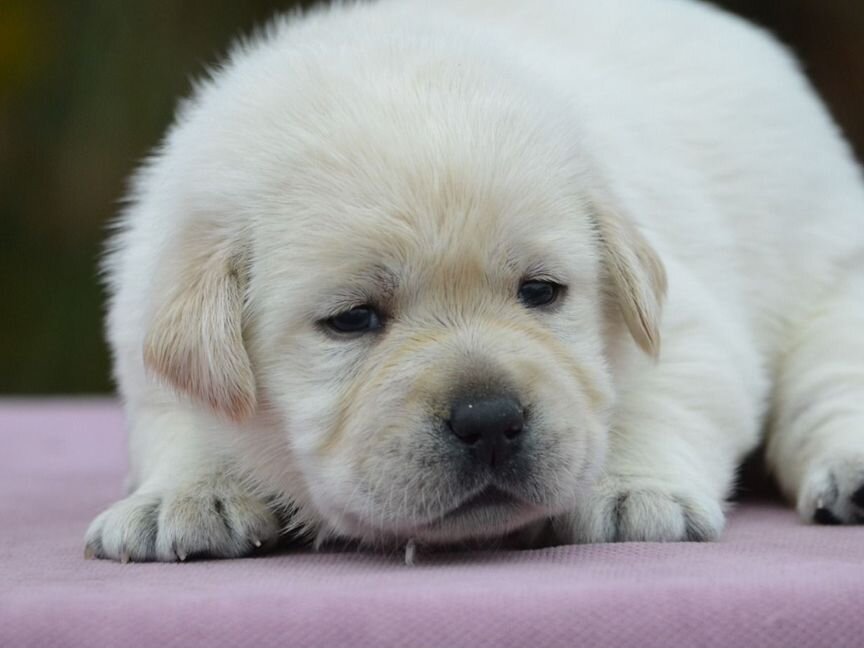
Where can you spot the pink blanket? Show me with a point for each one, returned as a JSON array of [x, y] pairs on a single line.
[[770, 581]]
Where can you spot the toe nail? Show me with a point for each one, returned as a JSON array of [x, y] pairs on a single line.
[[858, 497], [824, 516], [124, 557], [181, 556]]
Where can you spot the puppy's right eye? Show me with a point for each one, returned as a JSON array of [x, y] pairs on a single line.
[[359, 319]]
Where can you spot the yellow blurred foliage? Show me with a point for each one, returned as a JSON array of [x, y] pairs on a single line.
[[26, 43]]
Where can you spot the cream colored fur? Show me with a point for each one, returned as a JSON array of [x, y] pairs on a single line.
[[666, 162]]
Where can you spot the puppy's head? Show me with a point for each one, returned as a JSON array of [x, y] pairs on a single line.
[[425, 299]]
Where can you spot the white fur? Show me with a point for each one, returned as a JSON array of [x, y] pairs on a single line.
[[666, 128]]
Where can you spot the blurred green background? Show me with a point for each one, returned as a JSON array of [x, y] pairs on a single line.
[[88, 86]]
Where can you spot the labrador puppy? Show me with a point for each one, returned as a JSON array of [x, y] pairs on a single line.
[[420, 273]]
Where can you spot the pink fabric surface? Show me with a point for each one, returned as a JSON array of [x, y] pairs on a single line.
[[770, 581]]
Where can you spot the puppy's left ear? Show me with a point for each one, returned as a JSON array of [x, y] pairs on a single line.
[[195, 339], [636, 274]]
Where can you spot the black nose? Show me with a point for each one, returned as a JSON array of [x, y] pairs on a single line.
[[490, 426]]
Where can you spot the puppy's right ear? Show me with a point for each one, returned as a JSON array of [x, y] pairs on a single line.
[[195, 339]]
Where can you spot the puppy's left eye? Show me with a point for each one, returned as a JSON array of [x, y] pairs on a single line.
[[357, 320], [534, 294]]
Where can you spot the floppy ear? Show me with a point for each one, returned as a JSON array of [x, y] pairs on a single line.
[[195, 339], [637, 276]]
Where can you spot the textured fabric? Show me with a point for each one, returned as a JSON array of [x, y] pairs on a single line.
[[770, 581]]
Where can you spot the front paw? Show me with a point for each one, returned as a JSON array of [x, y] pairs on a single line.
[[634, 510], [213, 518], [833, 492]]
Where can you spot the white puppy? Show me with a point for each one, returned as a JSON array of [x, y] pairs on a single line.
[[400, 272]]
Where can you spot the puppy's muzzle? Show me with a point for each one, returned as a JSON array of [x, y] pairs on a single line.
[[490, 427]]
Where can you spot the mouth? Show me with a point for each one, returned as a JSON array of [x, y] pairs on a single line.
[[488, 498], [488, 513]]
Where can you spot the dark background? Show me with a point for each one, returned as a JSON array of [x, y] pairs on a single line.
[[87, 87]]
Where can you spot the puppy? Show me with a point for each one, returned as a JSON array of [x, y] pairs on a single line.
[[430, 272]]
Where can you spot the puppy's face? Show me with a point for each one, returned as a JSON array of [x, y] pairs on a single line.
[[427, 318], [440, 363]]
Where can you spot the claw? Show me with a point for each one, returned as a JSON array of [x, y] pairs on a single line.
[[89, 553], [124, 557], [256, 542], [410, 553], [320, 539]]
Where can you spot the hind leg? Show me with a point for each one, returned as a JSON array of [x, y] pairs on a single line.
[[816, 444]]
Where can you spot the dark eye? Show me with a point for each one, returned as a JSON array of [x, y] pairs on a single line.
[[357, 320], [539, 293]]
